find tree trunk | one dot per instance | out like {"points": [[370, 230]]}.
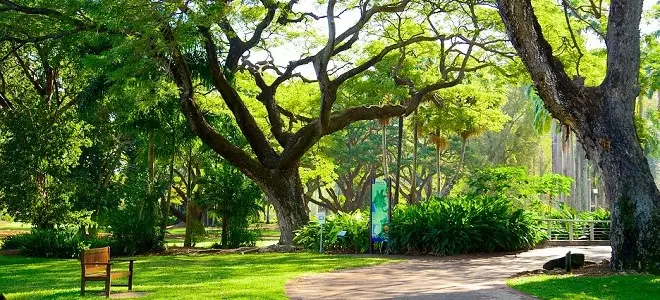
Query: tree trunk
{"points": [[437, 166], [386, 171], [413, 175], [225, 232], [397, 176], [397, 179], [629, 186], [450, 183], [284, 190], [151, 161], [602, 118], [165, 207], [187, 240]]}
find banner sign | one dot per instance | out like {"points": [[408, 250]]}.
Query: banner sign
{"points": [[380, 210]]}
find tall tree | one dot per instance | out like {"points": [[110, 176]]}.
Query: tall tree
{"points": [[221, 39], [602, 118]]}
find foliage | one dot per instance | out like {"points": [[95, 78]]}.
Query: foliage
{"points": [[519, 143], [134, 234], [47, 243], [356, 239], [135, 226], [36, 156], [648, 132], [234, 198], [463, 225], [514, 183], [233, 276]]}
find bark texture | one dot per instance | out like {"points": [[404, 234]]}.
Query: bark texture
{"points": [[602, 119]]}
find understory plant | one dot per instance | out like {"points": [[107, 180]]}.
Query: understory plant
{"points": [[463, 224], [355, 239], [47, 243]]}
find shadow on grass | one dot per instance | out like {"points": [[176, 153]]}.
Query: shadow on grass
{"points": [[629, 287]]}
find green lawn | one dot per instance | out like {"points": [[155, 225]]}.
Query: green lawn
{"points": [[252, 276], [628, 287], [4, 225]]}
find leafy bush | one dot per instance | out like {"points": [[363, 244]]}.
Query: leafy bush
{"points": [[47, 243], [356, 239], [133, 234], [514, 183], [240, 237], [463, 225], [235, 199]]}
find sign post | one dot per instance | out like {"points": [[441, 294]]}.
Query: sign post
{"points": [[321, 217], [380, 212]]}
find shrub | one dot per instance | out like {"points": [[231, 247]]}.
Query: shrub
{"points": [[463, 225], [240, 237], [47, 243], [134, 234], [356, 239], [235, 199]]}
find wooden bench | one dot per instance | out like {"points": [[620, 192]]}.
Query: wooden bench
{"points": [[97, 266]]}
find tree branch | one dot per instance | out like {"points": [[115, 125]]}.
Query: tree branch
{"points": [[258, 141], [546, 71], [198, 124]]}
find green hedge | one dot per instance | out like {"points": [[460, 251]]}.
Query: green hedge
{"points": [[436, 226], [58, 243], [463, 225]]}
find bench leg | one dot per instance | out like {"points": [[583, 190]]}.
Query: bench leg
{"points": [[82, 287], [130, 276], [107, 287], [107, 281]]}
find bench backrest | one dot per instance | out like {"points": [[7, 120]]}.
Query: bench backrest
{"points": [[96, 255]]}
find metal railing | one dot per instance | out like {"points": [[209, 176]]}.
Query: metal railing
{"points": [[577, 230]]}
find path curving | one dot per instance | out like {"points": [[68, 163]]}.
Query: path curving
{"points": [[459, 277]]}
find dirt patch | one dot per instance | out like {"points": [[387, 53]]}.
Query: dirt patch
{"points": [[6, 233], [10, 252], [592, 269]]}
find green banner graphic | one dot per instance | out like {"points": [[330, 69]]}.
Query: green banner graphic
{"points": [[380, 207]]}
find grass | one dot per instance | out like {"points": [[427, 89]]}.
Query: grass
{"points": [[4, 225], [551, 287], [253, 276], [270, 235]]}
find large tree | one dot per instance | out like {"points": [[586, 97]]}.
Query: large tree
{"points": [[221, 40], [601, 117]]}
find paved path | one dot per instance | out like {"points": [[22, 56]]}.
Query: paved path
{"points": [[462, 277]]}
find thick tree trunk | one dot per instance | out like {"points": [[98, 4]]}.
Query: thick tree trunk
{"points": [[629, 186], [284, 190], [602, 118]]}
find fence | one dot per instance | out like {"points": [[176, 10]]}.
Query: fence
{"points": [[577, 230]]}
